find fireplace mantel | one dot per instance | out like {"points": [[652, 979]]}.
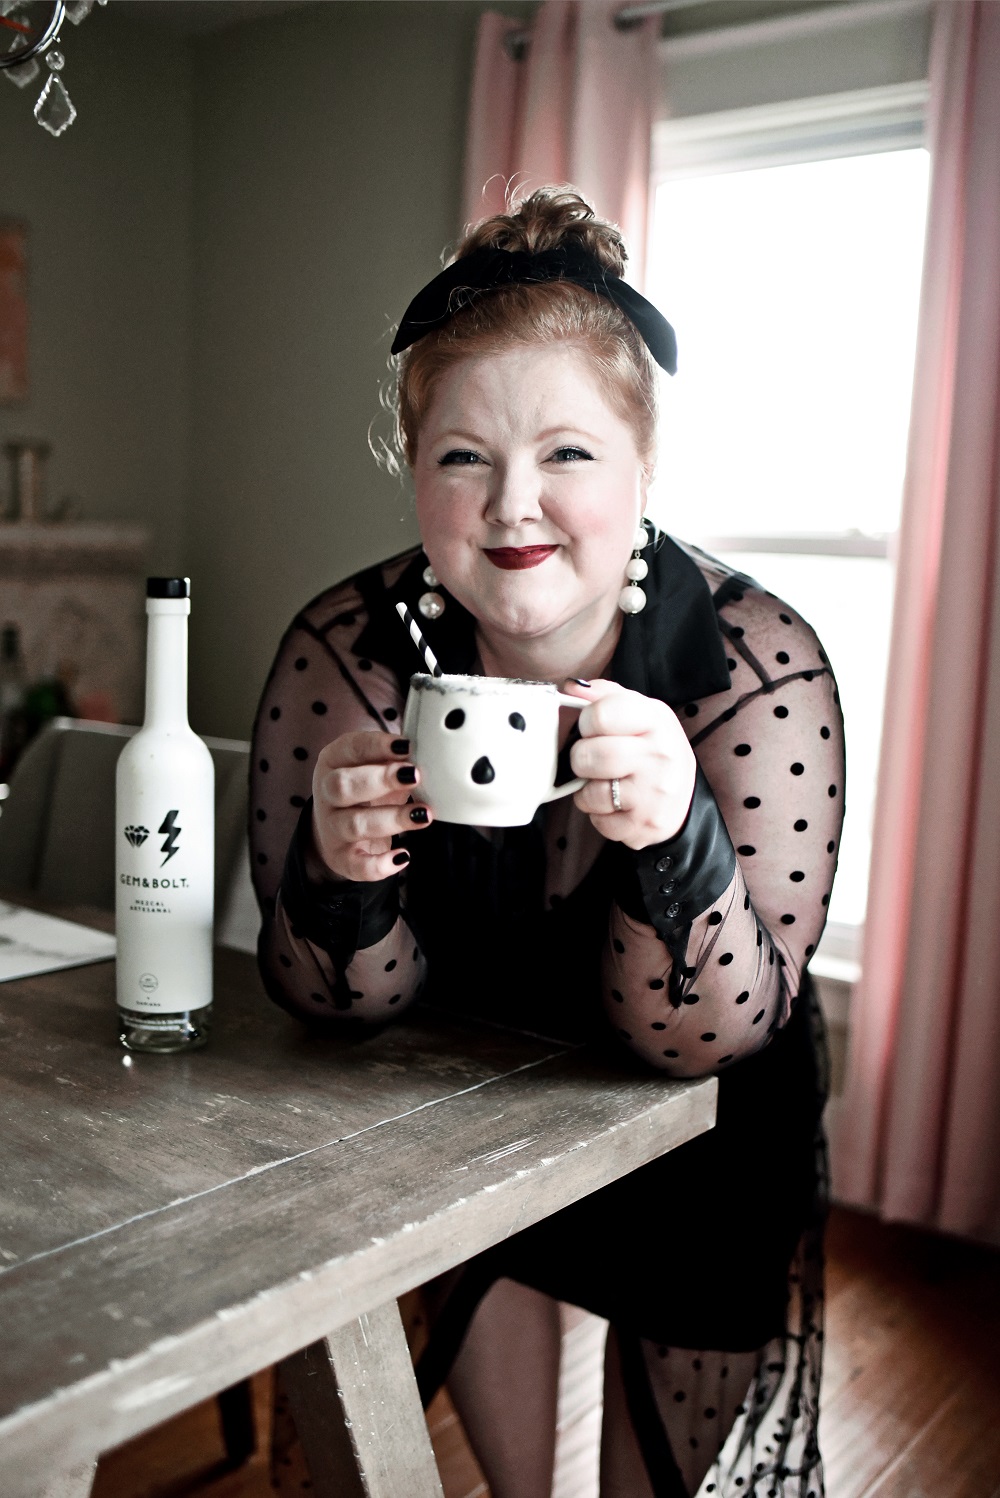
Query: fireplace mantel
{"points": [[94, 549]]}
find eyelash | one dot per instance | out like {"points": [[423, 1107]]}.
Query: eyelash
{"points": [[458, 458], [464, 457]]}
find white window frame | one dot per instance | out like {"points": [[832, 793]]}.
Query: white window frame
{"points": [[860, 122]]}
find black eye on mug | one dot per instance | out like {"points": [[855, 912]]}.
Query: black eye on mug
{"points": [[516, 721], [455, 718]]}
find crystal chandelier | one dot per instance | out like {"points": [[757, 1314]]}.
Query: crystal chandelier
{"points": [[30, 30]]}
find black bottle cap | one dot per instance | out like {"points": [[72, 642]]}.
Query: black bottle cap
{"points": [[168, 587]]}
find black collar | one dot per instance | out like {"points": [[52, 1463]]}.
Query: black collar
{"points": [[673, 650]]}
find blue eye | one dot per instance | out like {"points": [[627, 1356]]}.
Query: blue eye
{"points": [[572, 455], [460, 456]]}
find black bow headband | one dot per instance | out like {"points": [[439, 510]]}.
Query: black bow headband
{"points": [[483, 270]]}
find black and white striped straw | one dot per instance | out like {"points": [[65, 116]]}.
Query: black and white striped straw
{"points": [[430, 659]]}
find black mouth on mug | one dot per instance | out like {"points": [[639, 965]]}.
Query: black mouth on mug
{"points": [[482, 771]]}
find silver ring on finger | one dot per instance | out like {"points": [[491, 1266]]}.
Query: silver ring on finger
{"points": [[616, 795]]}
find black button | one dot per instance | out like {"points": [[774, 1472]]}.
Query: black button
{"points": [[664, 863], [668, 888], [672, 910]]}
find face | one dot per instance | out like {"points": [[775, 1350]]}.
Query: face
{"points": [[529, 489]]}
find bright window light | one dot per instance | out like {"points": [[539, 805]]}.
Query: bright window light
{"points": [[794, 292]]}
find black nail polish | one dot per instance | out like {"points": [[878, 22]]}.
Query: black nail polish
{"points": [[580, 681], [400, 746], [407, 775], [418, 814], [400, 859]]}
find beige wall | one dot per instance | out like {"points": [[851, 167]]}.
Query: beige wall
{"points": [[109, 209], [327, 149], [220, 243]]}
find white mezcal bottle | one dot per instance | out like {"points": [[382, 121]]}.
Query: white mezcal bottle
{"points": [[164, 848]]}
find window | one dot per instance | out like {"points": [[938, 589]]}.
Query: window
{"points": [[793, 287]]}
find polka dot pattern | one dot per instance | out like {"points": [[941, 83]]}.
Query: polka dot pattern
{"points": [[770, 748], [763, 750]]}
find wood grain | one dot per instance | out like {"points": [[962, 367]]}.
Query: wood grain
{"points": [[897, 1299], [76, 1483], [911, 1387], [176, 1225], [355, 1402], [90, 1137]]}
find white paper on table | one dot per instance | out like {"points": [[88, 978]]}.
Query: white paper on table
{"points": [[34, 943]]}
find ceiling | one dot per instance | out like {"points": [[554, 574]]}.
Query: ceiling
{"points": [[200, 17]]}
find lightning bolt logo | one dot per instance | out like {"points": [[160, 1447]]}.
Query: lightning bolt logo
{"points": [[173, 832]]}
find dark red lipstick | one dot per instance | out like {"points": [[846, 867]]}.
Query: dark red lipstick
{"points": [[516, 558]]}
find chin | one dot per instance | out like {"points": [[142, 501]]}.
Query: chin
{"points": [[517, 605]]}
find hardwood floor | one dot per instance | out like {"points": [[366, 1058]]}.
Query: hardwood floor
{"points": [[910, 1408], [911, 1388]]}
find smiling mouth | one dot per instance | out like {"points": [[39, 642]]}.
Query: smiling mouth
{"points": [[516, 558]]}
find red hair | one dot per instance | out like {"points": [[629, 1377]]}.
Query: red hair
{"points": [[547, 312]]}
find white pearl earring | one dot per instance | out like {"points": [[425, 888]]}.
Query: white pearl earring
{"points": [[431, 605], [631, 599]]}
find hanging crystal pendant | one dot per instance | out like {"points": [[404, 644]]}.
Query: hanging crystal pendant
{"points": [[79, 10], [54, 110], [55, 60], [28, 71]]}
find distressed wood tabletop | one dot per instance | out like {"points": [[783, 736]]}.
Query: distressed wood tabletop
{"points": [[171, 1224]]}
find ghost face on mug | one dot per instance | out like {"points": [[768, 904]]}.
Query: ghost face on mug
{"points": [[485, 746]]}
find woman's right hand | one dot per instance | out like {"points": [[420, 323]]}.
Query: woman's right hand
{"points": [[361, 786]]}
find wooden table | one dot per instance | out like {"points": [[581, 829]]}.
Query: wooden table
{"points": [[170, 1225]]}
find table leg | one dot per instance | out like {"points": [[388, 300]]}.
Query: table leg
{"points": [[75, 1483], [358, 1413]]}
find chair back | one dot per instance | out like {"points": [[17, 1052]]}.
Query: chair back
{"points": [[57, 826]]}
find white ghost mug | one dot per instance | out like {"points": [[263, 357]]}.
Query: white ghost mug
{"points": [[486, 747]]}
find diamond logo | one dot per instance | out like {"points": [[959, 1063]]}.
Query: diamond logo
{"points": [[137, 835]]}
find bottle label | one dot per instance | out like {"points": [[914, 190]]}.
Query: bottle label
{"points": [[164, 873]]}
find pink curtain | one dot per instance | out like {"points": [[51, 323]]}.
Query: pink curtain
{"points": [[920, 1139], [577, 108]]}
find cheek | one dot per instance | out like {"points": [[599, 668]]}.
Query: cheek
{"points": [[600, 525], [444, 512]]}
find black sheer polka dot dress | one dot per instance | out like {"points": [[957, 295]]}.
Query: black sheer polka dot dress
{"points": [[691, 955]]}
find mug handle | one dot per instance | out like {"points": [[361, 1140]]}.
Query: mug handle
{"points": [[571, 785]]}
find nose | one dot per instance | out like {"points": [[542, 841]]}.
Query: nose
{"points": [[515, 495]]}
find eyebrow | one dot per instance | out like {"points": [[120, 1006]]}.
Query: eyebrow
{"points": [[450, 435]]}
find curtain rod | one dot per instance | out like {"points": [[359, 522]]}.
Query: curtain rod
{"points": [[812, 17], [516, 42]]}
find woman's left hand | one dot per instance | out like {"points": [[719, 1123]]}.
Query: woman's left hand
{"points": [[639, 742]]}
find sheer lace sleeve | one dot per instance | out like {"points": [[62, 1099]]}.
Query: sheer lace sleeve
{"points": [[705, 967], [328, 950]]}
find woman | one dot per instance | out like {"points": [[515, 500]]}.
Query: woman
{"points": [[670, 907]]}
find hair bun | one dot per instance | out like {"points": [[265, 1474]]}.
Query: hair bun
{"points": [[545, 220]]}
